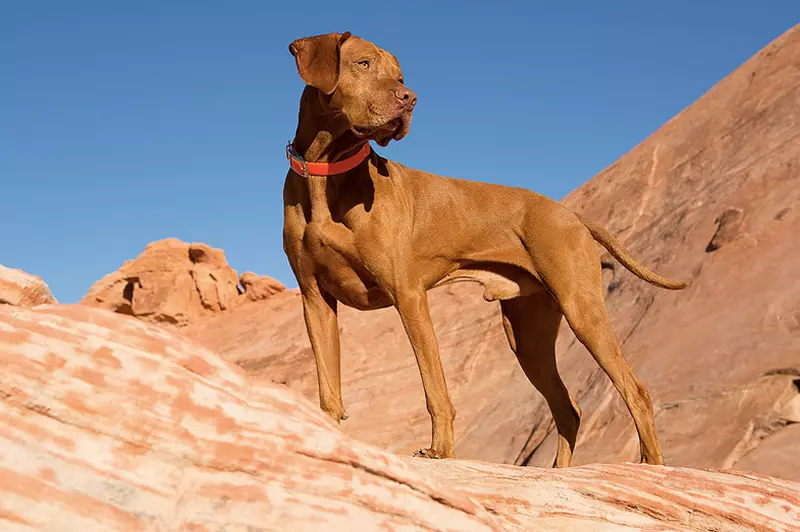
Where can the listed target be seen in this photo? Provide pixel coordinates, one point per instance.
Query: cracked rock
(729, 227)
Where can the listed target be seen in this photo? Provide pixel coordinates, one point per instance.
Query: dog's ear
(317, 59)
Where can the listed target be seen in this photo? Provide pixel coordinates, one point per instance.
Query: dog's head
(359, 81)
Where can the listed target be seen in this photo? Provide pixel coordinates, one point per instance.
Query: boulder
(175, 283)
(23, 289)
(257, 287)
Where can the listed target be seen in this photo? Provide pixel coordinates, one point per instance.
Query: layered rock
(23, 289)
(257, 287)
(381, 385)
(176, 283)
(109, 423)
(712, 197)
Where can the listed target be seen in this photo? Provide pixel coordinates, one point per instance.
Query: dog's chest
(341, 268)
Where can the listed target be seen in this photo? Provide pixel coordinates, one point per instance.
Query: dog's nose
(406, 96)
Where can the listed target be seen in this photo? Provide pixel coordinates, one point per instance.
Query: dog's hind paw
(427, 453)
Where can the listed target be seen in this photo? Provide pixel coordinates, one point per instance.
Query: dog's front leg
(319, 310)
(414, 313)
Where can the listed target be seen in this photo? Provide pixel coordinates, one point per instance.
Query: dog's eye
(401, 81)
(364, 63)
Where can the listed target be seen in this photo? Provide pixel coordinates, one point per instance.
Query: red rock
(257, 287)
(109, 423)
(624, 496)
(711, 196)
(381, 387)
(776, 454)
(175, 283)
(23, 289)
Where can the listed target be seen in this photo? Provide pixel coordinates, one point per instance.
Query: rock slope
(109, 423)
(712, 196)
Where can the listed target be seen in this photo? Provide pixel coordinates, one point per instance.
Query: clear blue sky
(126, 122)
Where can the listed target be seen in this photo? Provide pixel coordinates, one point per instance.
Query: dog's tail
(607, 240)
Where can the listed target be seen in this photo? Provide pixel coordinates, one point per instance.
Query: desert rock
(110, 423)
(23, 289)
(257, 287)
(708, 197)
(176, 283)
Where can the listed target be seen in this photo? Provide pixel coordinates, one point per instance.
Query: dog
(371, 233)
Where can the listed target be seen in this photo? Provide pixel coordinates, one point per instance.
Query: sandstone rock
(776, 454)
(109, 423)
(176, 283)
(729, 226)
(722, 174)
(791, 411)
(702, 352)
(381, 385)
(257, 287)
(23, 289)
(623, 497)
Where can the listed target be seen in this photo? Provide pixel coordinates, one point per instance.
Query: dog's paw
(427, 453)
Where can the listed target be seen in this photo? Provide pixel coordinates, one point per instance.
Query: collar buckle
(291, 154)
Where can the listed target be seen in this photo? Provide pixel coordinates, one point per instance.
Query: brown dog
(372, 233)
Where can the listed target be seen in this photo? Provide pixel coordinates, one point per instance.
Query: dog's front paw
(427, 453)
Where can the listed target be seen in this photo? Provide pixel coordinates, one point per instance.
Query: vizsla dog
(371, 233)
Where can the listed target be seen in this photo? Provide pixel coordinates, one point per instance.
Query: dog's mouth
(394, 129)
(363, 132)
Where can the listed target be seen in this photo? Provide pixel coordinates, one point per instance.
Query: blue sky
(127, 122)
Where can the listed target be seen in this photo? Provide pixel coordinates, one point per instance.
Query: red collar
(305, 169)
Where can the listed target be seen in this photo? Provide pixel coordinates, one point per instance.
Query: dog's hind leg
(572, 274)
(531, 324)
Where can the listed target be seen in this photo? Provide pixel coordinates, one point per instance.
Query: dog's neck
(323, 135)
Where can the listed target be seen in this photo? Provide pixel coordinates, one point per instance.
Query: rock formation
(257, 287)
(176, 283)
(712, 197)
(109, 423)
(23, 289)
